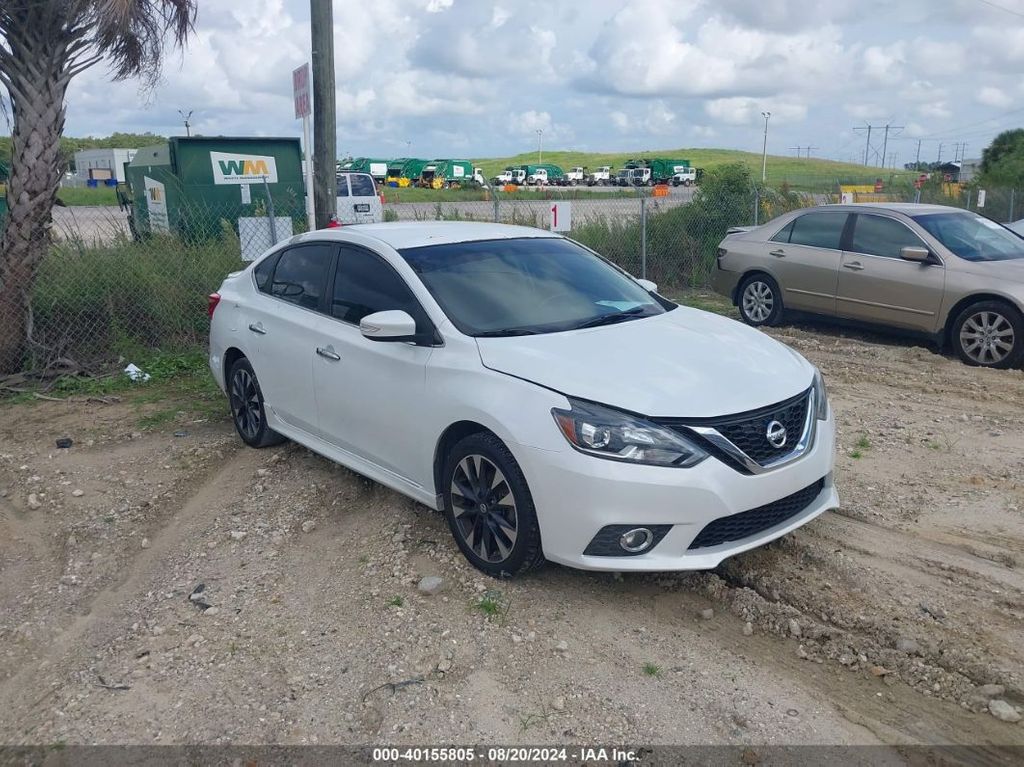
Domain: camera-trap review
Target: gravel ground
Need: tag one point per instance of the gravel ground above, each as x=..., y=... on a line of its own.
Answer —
x=167, y=585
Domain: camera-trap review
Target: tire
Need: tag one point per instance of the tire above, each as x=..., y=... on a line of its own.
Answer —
x=486, y=539
x=251, y=420
x=759, y=300
x=989, y=334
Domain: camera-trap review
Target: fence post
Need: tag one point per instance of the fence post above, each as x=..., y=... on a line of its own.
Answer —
x=1012, y=195
x=969, y=199
x=270, y=212
x=643, y=236
x=496, y=208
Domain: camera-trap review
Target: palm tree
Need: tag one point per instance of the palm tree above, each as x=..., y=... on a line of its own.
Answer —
x=44, y=44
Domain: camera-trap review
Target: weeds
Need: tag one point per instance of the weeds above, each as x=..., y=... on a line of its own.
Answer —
x=651, y=669
x=396, y=601
x=494, y=606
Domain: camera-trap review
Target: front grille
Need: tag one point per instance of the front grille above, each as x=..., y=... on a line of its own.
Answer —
x=736, y=527
x=749, y=431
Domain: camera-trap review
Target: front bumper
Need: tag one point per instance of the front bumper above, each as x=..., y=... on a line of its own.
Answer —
x=577, y=494
x=724, y=282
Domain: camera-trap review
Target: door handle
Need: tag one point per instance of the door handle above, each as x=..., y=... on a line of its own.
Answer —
x=779, y=252
x=855, y=265
x=328, y=353
x=257, y=327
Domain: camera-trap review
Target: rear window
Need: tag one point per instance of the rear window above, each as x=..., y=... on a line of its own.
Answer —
x=362, y=185
x=818, y=230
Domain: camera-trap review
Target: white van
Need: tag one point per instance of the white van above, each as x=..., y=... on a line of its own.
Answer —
x=358, y=201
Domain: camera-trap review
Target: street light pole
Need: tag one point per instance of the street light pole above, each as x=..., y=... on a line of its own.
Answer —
x=764, y=151
x=540, y=146
x=185, y=118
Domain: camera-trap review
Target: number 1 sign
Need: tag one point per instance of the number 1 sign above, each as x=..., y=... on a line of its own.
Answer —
x=561, y=216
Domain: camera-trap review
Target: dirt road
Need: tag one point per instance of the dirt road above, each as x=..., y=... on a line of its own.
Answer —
x=881, y=623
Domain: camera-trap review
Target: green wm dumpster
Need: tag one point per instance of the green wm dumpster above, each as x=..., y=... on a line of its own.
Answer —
x=191, y=185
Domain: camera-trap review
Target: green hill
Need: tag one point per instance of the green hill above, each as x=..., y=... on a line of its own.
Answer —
x=798, y=172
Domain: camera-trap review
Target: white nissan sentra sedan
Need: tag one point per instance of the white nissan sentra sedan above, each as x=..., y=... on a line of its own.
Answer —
x=551, y=405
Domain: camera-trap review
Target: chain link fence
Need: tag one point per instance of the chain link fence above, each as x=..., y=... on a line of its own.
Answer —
x=113, y=284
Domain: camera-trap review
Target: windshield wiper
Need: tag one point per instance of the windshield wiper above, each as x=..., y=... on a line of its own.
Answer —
x=612, y=318
x=505, y=332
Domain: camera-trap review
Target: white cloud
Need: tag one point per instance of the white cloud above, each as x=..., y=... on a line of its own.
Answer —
x=743, y=110
x=991, y=96
x=884, y=64
x=477, y=77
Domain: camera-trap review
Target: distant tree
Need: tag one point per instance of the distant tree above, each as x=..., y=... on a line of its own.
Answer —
x=1002, y=161
x=44, y=45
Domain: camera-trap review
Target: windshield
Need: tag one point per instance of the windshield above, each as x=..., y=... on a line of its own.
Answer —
x=526, y=286
x=973, y=237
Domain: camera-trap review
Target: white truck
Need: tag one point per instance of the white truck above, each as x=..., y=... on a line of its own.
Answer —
x=685, y=177
x=600, y=177
x=574, y=176
x=510, y=176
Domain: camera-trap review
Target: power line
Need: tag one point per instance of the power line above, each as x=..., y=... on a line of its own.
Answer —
x=1001, y=8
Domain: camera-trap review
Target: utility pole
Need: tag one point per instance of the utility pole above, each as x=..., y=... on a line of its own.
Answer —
x=764, y=150
x=867, y=144
x=325, y=138
x=885, y=143
x=938, y=160
x=540, y=146
x=186, y=118
x=809, y=148
x=917, y=162
x=797, y=150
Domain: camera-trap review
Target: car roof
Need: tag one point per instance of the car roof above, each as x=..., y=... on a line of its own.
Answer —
x=415, y=234
x=906, y=208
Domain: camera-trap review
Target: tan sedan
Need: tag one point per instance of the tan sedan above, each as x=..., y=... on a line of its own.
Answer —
x=950, y=274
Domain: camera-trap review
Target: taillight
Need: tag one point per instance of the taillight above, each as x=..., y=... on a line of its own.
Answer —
x=213, y=300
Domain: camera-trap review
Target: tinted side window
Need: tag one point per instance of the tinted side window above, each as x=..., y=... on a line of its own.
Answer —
x=343, y=185
x=364, y=284
x=880, y=236
x=300, y=274
x=819, y=230
x=362, y=185
x=264, y=271
x=784, y=233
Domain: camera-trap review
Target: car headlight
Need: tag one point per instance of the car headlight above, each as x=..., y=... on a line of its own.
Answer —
x=608, y=433
x=820, y=396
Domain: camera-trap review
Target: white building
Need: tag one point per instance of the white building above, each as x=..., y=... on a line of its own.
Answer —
x=101, y=164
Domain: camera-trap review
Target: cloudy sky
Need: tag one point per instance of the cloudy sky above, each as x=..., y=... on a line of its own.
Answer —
x=477, y=78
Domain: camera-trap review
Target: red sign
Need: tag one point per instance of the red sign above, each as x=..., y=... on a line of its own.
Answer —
x=878, y=185
x=300, y=90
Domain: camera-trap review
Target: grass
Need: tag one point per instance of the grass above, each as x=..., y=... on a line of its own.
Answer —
x=180, y=388
x=651, y=669
x=75, y=197
x=128, y=296
x=860, y=447
x=493, y=605
x=396, y=601
x=705, y=301
x=798, y=172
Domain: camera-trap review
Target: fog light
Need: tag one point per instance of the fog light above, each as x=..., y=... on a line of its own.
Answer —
x=636, y=540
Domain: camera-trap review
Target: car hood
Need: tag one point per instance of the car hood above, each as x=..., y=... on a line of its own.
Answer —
x=684, y=363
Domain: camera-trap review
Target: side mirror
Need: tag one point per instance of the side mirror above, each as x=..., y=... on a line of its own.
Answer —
x=393, y=325
x=650, y=287
x=915, y=253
